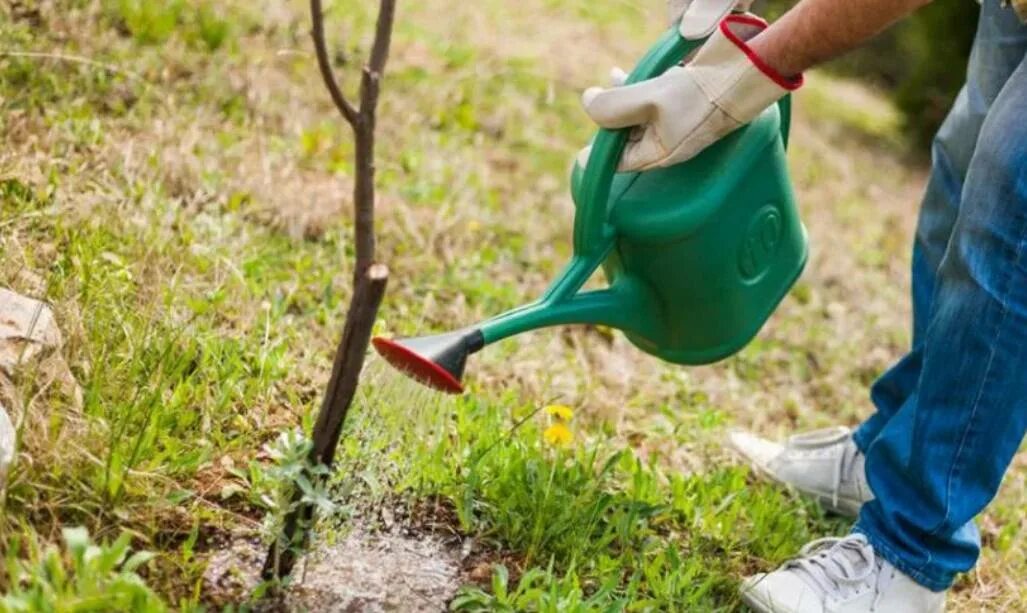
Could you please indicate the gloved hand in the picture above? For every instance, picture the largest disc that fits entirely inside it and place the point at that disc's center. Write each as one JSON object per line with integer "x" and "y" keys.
{"x": 689, "y": 107}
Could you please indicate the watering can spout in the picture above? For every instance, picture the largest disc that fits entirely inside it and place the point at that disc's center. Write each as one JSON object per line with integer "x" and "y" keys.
{"x": 436, "y": 361}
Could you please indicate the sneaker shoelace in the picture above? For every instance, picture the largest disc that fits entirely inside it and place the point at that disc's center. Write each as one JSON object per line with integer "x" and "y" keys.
{"x": 846, "y": 463}
{"x": 839, "y": 566}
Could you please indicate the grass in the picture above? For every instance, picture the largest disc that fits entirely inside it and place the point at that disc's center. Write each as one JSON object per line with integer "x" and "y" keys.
{"x": 90, "y": 577}
{"x": 591, "y": 524}
{"x": 175, "y": 182}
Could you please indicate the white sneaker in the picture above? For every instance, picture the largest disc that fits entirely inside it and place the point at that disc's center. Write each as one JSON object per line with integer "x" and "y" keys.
{"x": 824, "y": 464}
{"x": 839, "y": 575}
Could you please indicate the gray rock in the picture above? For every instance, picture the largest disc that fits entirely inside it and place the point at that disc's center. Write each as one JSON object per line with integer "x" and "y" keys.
{"x": 27, "y": 329}
{"x": 29, "y": 335}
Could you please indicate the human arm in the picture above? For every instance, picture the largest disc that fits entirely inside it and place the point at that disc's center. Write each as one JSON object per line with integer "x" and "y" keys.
{"x": 814, "y": 31}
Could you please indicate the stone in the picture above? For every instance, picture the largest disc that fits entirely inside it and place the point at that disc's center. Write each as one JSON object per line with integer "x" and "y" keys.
{"x": 29, "y": 336}
{"x": 27, "y": 329}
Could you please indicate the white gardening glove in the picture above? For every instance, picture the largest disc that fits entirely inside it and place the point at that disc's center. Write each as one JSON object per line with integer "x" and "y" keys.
{"x": 617, "y": 76}
{"x": 690, "y": 107}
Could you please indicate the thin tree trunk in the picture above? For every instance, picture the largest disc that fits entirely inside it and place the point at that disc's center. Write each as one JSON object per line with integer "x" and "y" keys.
{"x": 363, "y": 193}
{"x": 342, "y": 387}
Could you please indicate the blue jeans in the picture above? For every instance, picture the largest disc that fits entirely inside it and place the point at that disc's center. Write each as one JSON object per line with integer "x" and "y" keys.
{"x": 952, "y": 412}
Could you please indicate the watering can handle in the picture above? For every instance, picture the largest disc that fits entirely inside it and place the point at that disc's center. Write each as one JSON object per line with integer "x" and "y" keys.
{"x": 590, "y": 231}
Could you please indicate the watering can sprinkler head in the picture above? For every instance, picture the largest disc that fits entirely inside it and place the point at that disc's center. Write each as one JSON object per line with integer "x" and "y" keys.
{"x": 436, "y": 361}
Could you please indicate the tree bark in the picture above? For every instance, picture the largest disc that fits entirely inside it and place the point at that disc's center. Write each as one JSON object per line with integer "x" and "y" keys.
{"x": 349, "y": 360}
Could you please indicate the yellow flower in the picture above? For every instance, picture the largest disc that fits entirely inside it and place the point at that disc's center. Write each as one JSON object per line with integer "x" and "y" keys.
{"x": 561, "y": 412}
{"x": 558, "y": 435}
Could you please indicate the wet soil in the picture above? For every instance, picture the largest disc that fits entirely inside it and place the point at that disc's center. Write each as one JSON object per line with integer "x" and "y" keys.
{"x": 397, "y": 569}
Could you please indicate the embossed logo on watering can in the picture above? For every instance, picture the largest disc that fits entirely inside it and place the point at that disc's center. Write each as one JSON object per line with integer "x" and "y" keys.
{"x": 760, "y": 242}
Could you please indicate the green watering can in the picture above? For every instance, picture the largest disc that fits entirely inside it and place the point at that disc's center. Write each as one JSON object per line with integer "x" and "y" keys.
{"x": 698, "y": 255}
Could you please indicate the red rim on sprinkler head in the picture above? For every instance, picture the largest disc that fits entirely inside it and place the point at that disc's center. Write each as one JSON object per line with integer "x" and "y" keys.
{"x": 436, "y": 361}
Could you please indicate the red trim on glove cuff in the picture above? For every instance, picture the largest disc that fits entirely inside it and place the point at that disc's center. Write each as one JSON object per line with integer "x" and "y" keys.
{"x": 789, "y": 83}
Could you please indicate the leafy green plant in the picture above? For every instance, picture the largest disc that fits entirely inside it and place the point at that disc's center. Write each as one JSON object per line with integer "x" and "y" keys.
{"x": 84, "y": 577}
{"x": 269, "y": 484}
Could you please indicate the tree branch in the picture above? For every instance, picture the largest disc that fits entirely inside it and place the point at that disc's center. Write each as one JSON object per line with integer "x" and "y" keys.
{"x": 363, "y": 196}
{"x": 382, "y": 36}
{"x": 317, "y": 32}
{"x": 364, "y": 129}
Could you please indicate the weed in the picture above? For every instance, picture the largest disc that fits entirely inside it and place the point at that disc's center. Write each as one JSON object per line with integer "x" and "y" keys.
{"x": 83, "y": 577}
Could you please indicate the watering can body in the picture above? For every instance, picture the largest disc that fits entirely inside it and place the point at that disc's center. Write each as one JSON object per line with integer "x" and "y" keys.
{"x": 697, "y": 255}
{"x": 716, "y": 242}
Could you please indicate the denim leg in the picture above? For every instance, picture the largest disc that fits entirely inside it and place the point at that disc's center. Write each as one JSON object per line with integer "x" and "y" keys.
{"x": 940, "y": 459}
{"x": 1000, "y": 44}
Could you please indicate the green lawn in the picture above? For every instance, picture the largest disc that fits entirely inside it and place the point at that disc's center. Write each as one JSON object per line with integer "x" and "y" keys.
{"x": 176, "y": 183}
